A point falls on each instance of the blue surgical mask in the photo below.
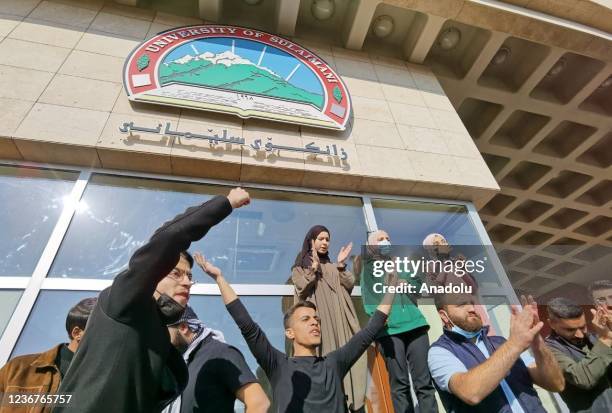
(467, 334)
(384, 246)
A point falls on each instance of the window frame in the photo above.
(38, 280)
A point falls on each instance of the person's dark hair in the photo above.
(445, 299)
(303, 258)
(294, 307)
(442, 299)
(79, 314)
(599, 285)
(188, 257)
(564, 308)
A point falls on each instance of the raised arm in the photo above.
(348, 354)
(254, 398)
(266, 355)
(545, 372)
(347, 279)
(133, 288)
(304, 281)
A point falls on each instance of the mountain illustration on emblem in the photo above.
(227, 70)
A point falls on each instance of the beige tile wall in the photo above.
(62, 101)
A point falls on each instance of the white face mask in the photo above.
(384, 246)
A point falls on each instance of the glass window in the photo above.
(269, 234)
(267, 311)
(32, 201)
(409, 222)
(8, 302)
(46, 326)
(498, 309)
(256, 244)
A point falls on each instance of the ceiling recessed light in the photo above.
(501, 56)
(449, 38)
(382, 26)
(322, 9)
(557, 68)
(606, 83)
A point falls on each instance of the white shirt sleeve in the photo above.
(527, 358)
(443, 365)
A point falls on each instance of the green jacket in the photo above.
(405, 315)
(587, 371)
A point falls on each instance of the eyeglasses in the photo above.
(177, 275)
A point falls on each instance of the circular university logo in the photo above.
(240, 71)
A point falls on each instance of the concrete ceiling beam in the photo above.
(357, 23)
(485, 56)
(210, 10)
(286, 16)
(421, 37)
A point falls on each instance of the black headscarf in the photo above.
(304, 257)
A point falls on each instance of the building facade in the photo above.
(439, 129)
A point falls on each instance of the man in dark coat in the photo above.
(218, 372)
(126, 362)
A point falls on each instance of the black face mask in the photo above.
(169, 310)
(579, 343)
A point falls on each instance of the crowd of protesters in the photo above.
(140, 348)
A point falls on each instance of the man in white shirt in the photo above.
(475, 372)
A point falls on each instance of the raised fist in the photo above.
(238, 197)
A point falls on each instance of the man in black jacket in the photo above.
(218, 372)
(126, 363)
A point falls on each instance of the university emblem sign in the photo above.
(239, 71)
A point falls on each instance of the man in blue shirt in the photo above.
(475, 372)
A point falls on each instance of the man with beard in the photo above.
(218, 373)
(475, 372)
(586, 359)
(126, 362)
